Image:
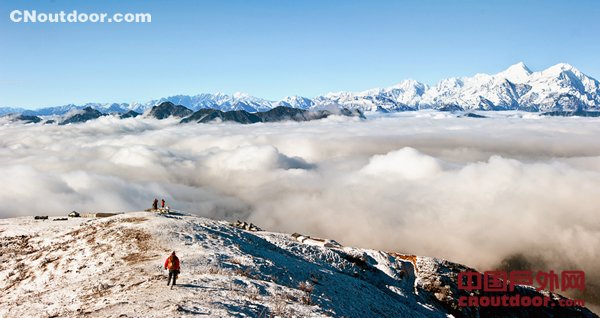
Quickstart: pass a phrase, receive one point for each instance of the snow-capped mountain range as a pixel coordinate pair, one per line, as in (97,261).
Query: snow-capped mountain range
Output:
(560,87)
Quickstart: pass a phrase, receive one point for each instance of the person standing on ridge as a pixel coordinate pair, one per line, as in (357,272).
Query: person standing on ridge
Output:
(162,203)
(155,204)
(172,264)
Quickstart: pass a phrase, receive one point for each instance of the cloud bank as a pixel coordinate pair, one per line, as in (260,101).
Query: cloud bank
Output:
(475,191)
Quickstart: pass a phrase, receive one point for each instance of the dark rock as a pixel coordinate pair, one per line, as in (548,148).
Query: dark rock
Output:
(168,109)
(280,113)
(207,115)
(352,113)
(580,113)
(568,102)
(473,115)
(26,119)
(382,110)
(129,114)
(486,104)
(450,108)
(87,114)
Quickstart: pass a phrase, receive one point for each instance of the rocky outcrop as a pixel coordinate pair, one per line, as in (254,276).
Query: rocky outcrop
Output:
(276,114)
(168,109)
(82,116)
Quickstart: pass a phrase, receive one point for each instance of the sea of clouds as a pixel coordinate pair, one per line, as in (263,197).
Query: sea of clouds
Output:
(481,192)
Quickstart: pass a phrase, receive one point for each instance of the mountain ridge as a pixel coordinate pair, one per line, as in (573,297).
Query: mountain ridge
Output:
(101,267)
(560,87)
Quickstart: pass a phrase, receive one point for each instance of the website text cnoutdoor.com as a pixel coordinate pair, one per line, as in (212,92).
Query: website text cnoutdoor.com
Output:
(517,301)
(33,16)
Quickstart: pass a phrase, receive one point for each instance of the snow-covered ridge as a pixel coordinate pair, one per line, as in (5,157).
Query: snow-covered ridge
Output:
(559,87)
(113,267)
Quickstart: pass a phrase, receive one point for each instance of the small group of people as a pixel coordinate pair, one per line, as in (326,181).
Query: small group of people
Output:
(155,204)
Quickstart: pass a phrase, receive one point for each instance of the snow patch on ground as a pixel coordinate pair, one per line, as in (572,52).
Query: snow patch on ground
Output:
(112,267)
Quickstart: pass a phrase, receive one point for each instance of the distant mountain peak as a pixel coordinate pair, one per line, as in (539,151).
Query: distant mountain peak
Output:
(520,65)
(563,66)
(241,95)
(408,84)
(516,73)
(559,68)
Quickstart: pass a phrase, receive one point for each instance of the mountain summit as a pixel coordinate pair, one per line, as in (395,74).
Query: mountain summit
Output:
(517,73)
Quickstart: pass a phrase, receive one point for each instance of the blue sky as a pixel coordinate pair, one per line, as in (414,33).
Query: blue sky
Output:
(277,48)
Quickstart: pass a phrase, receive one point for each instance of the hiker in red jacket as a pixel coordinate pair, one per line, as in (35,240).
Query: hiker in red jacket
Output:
(172,264)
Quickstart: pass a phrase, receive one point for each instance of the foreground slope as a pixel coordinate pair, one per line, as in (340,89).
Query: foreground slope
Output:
(112,267)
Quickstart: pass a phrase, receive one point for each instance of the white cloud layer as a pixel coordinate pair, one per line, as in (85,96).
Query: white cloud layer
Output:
(469,190)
